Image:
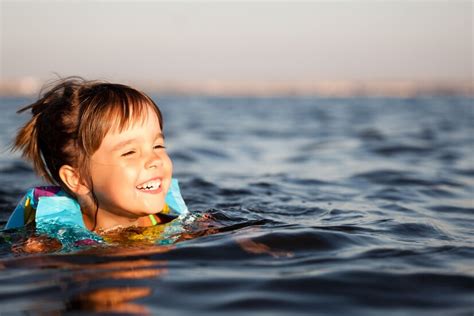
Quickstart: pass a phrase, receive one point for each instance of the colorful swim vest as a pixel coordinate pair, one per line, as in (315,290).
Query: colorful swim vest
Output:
(59,215)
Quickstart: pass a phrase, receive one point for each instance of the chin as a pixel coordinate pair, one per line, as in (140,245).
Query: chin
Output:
(154,208)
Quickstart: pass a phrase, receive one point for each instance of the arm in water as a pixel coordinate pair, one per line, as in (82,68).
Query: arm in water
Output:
(37,244)
(207,224)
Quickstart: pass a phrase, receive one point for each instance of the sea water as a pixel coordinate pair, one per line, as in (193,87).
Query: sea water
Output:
(317,206)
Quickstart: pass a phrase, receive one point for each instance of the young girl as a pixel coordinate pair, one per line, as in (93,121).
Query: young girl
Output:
(101,146)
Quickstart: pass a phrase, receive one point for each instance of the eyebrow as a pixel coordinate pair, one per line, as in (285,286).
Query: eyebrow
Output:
(132,140)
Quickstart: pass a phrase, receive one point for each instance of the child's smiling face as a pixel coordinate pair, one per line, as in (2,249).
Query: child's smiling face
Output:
(131,171)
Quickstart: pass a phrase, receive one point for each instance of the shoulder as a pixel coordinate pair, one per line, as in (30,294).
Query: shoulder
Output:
(34,194)
(46,191)
(25,211)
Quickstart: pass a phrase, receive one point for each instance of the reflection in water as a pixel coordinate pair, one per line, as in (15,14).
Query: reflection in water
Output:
(88,286)
(112,300)
(117,299)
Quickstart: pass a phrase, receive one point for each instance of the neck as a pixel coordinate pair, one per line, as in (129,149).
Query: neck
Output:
(96,219)
(105,220)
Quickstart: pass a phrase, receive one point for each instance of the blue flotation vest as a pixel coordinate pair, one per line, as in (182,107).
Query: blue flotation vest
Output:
(59,215)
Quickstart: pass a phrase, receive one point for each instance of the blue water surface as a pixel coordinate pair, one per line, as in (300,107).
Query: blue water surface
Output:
(314,206)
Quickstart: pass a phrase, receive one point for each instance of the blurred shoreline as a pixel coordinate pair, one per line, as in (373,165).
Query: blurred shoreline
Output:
(29,86)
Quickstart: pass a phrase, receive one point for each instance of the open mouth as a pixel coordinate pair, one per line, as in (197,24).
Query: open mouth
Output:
(151,185)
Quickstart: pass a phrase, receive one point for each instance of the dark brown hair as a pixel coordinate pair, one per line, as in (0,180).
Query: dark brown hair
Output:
(70,120)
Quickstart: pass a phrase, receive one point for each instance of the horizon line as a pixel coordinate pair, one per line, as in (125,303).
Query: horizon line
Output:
(31,86)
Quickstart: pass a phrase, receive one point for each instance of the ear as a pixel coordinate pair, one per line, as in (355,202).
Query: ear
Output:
(70,177)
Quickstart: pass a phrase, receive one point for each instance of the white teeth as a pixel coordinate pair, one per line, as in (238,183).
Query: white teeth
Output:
(151,185)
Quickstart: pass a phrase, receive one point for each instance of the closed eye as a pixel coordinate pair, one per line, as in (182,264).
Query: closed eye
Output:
(128,153)
(158,147)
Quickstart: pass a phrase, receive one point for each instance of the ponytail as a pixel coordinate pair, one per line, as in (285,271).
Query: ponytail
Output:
(44,137)
(26,141)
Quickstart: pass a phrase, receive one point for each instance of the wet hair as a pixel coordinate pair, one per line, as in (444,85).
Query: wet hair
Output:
(70,120)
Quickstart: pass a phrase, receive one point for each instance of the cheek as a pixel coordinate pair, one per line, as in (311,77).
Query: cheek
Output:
(98,173)
(169,163)
(126,174)
(111,178)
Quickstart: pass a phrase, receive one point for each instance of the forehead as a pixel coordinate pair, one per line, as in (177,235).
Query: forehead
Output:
(123,118)
(137,132)
(146,119)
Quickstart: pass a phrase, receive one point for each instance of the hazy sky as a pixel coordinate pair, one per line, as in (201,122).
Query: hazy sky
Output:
(195,40)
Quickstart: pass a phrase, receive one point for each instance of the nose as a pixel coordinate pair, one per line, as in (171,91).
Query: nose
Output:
(153,160)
